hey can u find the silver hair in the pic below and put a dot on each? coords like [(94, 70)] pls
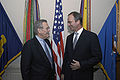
[(38, 24)]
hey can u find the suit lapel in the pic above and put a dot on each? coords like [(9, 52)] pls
[(40, 49), (71, 40)]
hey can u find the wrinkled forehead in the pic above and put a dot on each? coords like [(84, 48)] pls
[(45, 25)]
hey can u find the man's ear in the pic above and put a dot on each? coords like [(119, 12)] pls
[(39, 30), (78, 22)]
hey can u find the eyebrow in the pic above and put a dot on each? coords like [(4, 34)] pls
[(47, 27), (69, 21)]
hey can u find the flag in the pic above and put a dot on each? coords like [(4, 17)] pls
[(31, 14), (85, 11), (107, 38), (57, 41), (10, 44), (85, 14)]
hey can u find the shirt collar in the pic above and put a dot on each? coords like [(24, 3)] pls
[(39, 39), (80, 31)]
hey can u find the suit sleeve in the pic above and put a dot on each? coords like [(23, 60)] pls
[(65, 57), (95, 52), (26, 61)]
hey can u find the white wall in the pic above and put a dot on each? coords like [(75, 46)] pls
[(100, 11), (15, 11)]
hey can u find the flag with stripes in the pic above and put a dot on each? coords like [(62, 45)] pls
[(31, 14), (58, 38)]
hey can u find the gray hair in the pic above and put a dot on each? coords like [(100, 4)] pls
[(38, 24), (77, 16)]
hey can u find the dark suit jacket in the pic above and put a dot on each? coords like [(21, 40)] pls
[(87, 51), (34, 62)]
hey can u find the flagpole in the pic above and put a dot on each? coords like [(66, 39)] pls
[(118, 41), (118, 29)]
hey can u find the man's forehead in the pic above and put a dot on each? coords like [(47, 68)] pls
[(70, 19), (44, 23)]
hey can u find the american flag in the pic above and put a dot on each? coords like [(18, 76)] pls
[(58, 38)]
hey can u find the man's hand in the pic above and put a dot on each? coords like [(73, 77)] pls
[(75, 65)]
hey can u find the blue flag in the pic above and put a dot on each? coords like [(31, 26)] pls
[(10, 44), (107, 38)]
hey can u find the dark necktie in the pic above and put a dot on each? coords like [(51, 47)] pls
[(75, 40), (47, 52)]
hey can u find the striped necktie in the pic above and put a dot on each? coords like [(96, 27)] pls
[(75, 40), (47, 53)]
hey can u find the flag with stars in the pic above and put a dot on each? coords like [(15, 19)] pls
[(58, 38)]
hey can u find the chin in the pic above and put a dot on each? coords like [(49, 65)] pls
[(72, 29)]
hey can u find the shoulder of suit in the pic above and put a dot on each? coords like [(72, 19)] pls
[(90, 33), (46, 39), (30, 42), (70, 35)]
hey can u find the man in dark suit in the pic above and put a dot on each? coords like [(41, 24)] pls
[(81, 52), (37, 59)]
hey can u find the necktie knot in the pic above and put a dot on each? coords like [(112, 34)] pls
[(76, 33)]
